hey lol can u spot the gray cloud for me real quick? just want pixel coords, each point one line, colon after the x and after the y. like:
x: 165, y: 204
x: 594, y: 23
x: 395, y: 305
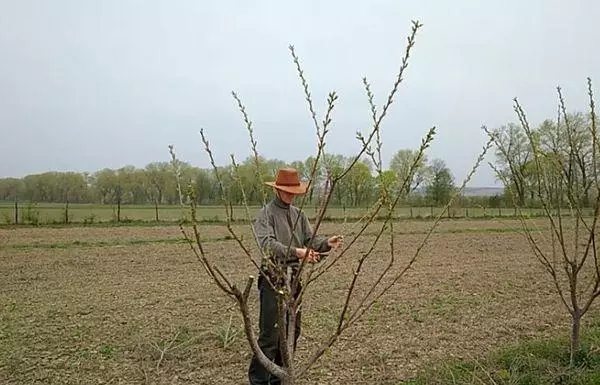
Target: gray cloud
x: 86, y: 85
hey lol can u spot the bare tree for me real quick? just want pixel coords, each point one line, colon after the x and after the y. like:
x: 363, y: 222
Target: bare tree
x: 514, y: 159
x: 570, y: 136
x: 568, y: 251
x: 286, y: 284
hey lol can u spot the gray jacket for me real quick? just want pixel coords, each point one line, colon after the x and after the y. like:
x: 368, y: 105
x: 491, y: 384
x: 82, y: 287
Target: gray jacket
x: 273, y: 226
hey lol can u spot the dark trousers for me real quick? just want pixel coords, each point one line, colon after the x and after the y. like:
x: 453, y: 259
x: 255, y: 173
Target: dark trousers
x: 268, y: 339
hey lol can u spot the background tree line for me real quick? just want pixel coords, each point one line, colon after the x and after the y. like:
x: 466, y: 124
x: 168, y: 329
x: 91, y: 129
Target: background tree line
x: 156, y: 183
x: 432, y: 184
x: 565, y: 145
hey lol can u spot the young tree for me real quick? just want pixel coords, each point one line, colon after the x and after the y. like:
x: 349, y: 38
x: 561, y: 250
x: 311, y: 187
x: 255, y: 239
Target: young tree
x: 441, y: 187
x: 11, y: 188
x: 71, y: 187
x: 573, y: 131
x: 105, y: 182
x: 333, y: 165
x: 286, y: 284
x: 158, y: 174
x: 514, y: 159
x: 204, y: 185
x: 401, y: 163
x: 358, y: 185
x: 318, y: 182
x: 568, y: 250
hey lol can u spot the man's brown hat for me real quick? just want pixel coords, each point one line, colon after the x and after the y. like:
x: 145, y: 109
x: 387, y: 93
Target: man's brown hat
x: 287, y: 180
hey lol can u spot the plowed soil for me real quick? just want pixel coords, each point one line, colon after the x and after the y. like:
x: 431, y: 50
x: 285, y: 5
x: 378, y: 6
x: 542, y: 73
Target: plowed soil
x: 89, y: 306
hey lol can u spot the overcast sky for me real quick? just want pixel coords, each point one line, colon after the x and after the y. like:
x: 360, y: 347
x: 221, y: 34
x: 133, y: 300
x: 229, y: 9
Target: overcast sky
x: 92, y: 84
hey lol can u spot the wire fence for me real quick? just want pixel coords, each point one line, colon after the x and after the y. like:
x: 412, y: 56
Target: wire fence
x: 38, y: 214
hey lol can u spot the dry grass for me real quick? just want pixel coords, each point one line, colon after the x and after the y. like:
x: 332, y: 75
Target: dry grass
x: 99, y: 315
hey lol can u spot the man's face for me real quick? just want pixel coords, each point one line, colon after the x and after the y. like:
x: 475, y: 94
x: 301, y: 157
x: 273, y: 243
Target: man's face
x: 285, y: 196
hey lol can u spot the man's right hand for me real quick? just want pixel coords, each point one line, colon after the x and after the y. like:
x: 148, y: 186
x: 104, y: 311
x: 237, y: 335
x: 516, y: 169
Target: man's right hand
x: 312, y: 255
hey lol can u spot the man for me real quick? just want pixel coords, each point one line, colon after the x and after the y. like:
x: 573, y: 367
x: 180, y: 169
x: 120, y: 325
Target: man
x: 273, y: 227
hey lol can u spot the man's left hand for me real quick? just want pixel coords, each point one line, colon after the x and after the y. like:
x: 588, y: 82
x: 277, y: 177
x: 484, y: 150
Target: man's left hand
x: 335, y: 241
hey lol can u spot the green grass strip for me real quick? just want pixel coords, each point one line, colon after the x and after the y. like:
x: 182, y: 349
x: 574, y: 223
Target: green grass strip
x: 242, y: 221
x: 537, y: 362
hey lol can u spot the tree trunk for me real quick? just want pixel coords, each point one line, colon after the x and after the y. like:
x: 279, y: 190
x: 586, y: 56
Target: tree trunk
x: 575, y: 335
x: 586, y: 197
x: 119, y: 210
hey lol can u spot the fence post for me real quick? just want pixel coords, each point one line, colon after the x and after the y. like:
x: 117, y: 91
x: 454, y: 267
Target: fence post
x: 16, y: 211
x: 156, y: 210
x: 431, y: 208
x: 119, y: 210
x: 411, y: 212
x: 466, y: 212
x: 67, y: 212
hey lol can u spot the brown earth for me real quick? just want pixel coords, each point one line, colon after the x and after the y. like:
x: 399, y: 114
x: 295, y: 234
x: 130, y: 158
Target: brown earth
x: 100, y: 315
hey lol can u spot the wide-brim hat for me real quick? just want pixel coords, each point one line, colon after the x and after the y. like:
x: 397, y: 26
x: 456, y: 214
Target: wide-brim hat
x: 287, y: 180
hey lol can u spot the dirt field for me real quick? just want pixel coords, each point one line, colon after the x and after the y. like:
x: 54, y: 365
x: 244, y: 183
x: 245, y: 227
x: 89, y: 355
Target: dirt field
x: 97, y: 306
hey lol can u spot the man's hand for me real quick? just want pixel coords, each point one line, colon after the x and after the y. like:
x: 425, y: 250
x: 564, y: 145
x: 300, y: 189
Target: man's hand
x: 335, y: 241
x: 311, y: 256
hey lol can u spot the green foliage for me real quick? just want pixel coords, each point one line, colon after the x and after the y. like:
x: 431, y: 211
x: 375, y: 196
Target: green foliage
x: 401, y: 164
x: 156, y: 183
x: 441, y: 188
x: 227, y: 333
x: 6, y: 217
x: 558, y: 143
x: 31, y: 215
x: 539, y: 362
x: 107, y: 351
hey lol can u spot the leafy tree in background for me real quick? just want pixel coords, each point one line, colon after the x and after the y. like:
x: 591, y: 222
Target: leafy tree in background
x: 441, y: 188
x: 359, y: 185
x: 11, y: 188
x: 401, y: 164
x: 157, y: 174
x: 514, y: 161
x: 156, y: 184
x: 205, y: 187
x: 105, y: 183
x: 574, y: 141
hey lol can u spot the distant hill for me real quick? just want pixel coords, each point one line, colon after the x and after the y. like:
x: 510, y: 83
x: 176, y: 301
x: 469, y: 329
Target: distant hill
x: 483, y: 191
x: 474, y: 191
